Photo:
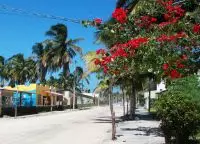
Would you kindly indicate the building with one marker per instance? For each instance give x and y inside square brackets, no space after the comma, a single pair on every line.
[30,95]
[81,98]
[153,93]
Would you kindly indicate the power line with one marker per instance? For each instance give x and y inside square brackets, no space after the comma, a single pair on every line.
[5,9]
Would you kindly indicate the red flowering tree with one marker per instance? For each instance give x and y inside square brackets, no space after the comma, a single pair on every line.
[158,41]
[158,37]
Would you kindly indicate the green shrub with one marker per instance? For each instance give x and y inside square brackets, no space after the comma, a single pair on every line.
[179,109]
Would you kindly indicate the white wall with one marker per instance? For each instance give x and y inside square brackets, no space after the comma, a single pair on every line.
[160,87]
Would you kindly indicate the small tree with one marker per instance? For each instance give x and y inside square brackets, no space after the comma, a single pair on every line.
[179,109]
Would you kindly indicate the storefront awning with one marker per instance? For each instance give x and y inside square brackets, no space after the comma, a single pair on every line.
[54,93]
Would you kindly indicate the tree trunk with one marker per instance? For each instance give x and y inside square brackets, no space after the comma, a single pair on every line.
[149,104]
[182,139]
[113,126]
[123,101]
[66,71]
[133,101]
[43,74]
[110,98]
[112,112]
[127,107]
[82,101]
[167,139]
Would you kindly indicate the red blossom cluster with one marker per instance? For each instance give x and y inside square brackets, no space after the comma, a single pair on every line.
[118,51]
[173,12]
[137,42]
[101,51]
[196,28]
[128,48]
[145,21]
[98,21]
[165,38]
[174,74]
[110,61]
[173,68]
[120,15]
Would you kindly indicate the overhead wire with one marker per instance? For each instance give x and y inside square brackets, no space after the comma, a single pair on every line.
[5,9]
[8,10]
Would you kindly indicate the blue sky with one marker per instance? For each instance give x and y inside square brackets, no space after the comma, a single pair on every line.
[19,33]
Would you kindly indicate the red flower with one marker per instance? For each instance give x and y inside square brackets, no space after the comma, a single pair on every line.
[196,28]
[184,57]
[163,24]
[100,51]
[120,15]
[173,12]
[120,53]
[105,69]
[106,60]
[180,65]
[167,17]
[98,20]
[145,21]
[97,62]
[180,35]
[165,66]
[137,42]
[164,38]
[166,73]
[153,19]
[175,74]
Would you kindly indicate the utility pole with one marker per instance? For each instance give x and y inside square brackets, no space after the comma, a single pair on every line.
[16,102]
[74,94]
[74,89]
[51,98]
[1,91]
[98,99]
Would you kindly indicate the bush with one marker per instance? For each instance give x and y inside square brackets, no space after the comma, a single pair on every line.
[179,110]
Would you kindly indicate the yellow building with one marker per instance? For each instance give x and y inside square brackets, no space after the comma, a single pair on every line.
[41,95]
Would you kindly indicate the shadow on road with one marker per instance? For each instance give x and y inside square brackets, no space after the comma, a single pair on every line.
[106,120]
[146,131]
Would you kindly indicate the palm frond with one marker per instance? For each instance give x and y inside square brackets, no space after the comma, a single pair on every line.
[89,59]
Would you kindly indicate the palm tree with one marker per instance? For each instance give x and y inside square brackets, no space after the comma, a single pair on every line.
[31,66]
[39,52]
[62,50]
[20,70]
[67,83]
[52,81]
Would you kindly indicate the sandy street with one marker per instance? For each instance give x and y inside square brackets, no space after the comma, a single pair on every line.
[76,127]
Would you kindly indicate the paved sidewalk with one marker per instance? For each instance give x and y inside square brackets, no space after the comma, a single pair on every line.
[141,131]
